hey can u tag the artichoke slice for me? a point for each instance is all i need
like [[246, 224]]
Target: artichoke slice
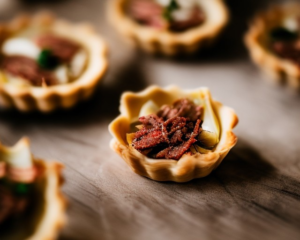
[[193, 149], [148, 108], [18, 156], [197, 149], [209, 138], [201, 150]]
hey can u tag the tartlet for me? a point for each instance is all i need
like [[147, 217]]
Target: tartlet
[[277, 21], [43, 96], [44, 216], [165, 41], [189, 166]]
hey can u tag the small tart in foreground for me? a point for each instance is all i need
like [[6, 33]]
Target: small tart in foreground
[[48, 63], [178, 142], [169, 27], [31, 197], [273, 41]]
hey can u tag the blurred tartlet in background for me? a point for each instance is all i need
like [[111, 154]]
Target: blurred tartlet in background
[[47, 63], [273, 41], [31, 203], [172, 134], [169, 27]]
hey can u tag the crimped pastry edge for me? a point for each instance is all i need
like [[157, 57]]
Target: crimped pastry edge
[[187, 167], [52, 217], [59, 96], [276, 68], [166, 42]]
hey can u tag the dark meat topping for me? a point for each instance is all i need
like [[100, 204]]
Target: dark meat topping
[[288, 50], [62, 48], [171, 132], [183, 107], [286, 43], [147, 12], [27, 69], [152, 14], [10, 205], [6, 204]]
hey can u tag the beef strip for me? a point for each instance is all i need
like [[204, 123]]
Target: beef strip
[[169, 134], [182, 107], [62, 48], [147, 12], [288, 50], [27, 69], [6, 204]]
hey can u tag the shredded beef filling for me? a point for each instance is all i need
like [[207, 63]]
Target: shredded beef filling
[[10, 205], [288, 50], [27, 69], [286, 43], [171, 132], [150, 13], [62, 48]]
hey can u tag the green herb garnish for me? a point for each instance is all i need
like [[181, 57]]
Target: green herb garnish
[[21, 188], [282, 34], [47, 60], [167, 14]]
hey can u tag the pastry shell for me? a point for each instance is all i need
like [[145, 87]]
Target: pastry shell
[[166, 42], [256, 41], [188, 166], [46, 99], [48, 215]]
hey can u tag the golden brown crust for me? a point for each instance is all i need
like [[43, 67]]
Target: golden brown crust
[[256, 41], [53, 217], [166, 42], [47, 99], [188, 167]]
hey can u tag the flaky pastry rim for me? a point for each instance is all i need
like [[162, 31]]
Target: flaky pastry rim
[[165, 41], [47, 99], [52, 218], [277, 68], [188, 167]]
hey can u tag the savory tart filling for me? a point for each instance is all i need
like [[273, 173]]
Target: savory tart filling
[[169, 132], [17, 175], [173, 15], [41, 59], [285, 39]]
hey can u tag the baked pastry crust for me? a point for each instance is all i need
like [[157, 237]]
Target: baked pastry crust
[[187, 167], [48, 216], [47, 99], [166, 42], [256, 40]]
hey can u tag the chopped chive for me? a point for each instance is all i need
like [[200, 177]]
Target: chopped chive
[[47, 60], [167, 14]]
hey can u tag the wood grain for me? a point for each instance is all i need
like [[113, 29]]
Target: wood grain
[[254, 194]]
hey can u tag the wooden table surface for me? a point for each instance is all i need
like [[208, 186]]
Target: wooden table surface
[[254, 194]]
